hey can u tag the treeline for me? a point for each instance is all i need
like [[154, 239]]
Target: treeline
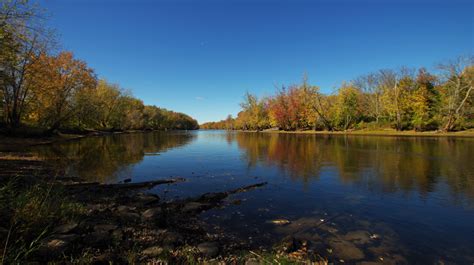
[[45, 88], [404, 99]]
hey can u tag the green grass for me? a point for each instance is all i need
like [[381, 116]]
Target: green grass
[[30, 214]]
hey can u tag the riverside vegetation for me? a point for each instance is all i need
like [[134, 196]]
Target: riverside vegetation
[[403, 99], [44, 89]]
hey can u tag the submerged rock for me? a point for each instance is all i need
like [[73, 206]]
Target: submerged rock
[[358, 237], [209, 249], [194, 206], [345, 250], [147, 198]]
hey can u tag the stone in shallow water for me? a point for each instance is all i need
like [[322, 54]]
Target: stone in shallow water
[[147, 198], [358, 237], [194, 206], [345, 250], [209, 249]]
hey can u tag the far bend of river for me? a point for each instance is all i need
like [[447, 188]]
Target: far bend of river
[[414, 196]]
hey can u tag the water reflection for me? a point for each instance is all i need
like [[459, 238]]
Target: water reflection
[[385, 164], [109, 158]]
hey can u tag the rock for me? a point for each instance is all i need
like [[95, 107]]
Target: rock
[[99, 239], [129, 215], [127, 180], [153, 251], [152, 213], [147, 198], [124, 208], [55, 244], [171, 239], [345, 250], [194, 206], [358, 237], [105, 228], [65, 229], [209, 249]]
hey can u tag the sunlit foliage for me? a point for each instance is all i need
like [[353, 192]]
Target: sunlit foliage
[[401, 99], [52, 90]]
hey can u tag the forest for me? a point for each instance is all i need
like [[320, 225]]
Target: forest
[[403, 99], [44, 88]]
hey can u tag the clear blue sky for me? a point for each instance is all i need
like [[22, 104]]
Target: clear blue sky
[[200, 57]]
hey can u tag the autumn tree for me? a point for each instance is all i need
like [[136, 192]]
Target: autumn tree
[[348, 106], [425, 102], [22, 39], [457, 90], [254, 114], [397, 87], [371, 86], [55, 81]]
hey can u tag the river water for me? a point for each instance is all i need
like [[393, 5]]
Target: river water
[[396, 199]]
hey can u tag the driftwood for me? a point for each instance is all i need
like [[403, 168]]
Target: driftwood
[[138, 185]]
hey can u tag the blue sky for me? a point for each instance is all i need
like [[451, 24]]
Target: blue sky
[[200, 57]]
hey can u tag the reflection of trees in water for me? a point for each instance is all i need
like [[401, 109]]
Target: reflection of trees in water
[[382, 163], [105, 158]]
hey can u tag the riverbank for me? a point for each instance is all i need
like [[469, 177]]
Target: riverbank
[[46, 217], [381, 132]]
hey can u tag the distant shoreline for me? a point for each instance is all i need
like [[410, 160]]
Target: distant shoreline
[[466, 133]]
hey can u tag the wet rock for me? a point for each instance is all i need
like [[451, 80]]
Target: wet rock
[[209, 249], [358, 237], [147, 198], [65, 229], [194, 206], [345, 250], [153, 251], [152, 213]]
